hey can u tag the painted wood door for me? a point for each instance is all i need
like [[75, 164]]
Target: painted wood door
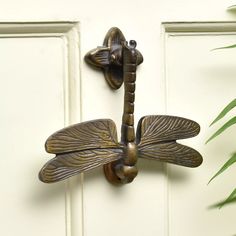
[[45, 85]]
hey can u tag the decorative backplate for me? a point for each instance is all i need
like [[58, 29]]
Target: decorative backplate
[[109, 57]]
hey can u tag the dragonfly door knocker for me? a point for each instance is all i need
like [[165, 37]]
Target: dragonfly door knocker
[[85, 146]]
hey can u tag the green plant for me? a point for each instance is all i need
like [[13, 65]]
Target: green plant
[[232, 196]]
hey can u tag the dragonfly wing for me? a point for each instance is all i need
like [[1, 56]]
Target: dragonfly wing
[[154, 129], [99, 57], [157, 135], [66, 165], [87, 135], [171, 152]]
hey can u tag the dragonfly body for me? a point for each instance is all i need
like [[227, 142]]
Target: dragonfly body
[[126, 169]]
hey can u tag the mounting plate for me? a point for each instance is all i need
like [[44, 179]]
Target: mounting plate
[[108, 57]]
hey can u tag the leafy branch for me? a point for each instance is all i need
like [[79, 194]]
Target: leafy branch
[[232, 197]]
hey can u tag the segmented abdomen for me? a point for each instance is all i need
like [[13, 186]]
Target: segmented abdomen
[[129, 68]]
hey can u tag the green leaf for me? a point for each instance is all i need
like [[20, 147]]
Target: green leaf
[[230, 162], [228, 108], [233, 7], [231, 198], [222, 129], [226, 47]]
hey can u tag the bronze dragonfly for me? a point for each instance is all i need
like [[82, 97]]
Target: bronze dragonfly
[[85, 146]]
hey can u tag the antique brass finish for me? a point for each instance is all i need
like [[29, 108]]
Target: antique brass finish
[[108, 58], [84, 146]]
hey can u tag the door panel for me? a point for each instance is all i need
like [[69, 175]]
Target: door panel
[[200, 82], [28, 113], [34, 78]]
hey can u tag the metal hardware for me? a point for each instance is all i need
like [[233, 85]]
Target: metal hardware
[[87, 145], [109, 58]]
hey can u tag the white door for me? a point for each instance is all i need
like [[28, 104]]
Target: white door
[[46, 85]]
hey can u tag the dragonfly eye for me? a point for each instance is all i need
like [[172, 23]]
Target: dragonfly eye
[[133, 43]]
